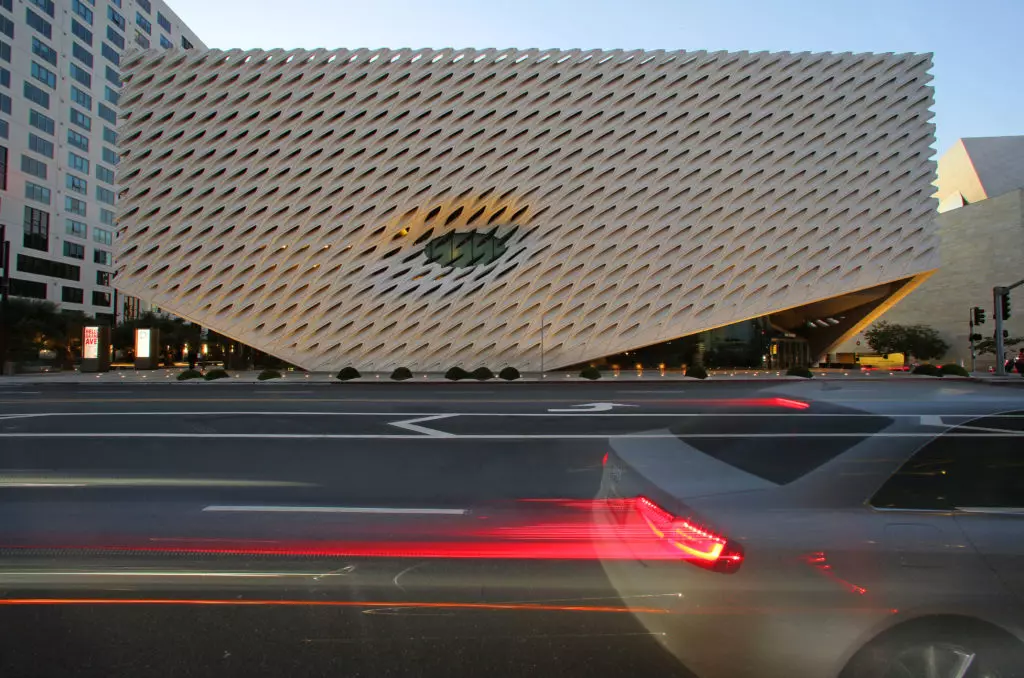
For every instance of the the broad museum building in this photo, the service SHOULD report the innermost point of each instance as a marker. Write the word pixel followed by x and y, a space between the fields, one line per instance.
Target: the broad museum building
pixel 432 208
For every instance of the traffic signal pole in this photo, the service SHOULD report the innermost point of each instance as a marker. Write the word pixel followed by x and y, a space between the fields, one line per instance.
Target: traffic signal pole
pixel 970 334
pixel 1000 300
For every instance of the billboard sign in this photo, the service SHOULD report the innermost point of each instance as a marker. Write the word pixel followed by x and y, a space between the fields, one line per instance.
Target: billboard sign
pixel 90 343
pixel 142 343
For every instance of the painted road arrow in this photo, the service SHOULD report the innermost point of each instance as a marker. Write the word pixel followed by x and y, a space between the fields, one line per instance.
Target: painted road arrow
pixel 592 407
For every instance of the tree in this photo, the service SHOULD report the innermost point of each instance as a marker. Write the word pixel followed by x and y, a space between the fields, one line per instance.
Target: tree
pixel 920 341
pixel 33 326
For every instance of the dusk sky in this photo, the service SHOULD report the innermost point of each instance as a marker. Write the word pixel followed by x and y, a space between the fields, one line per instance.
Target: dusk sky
pixel 979 66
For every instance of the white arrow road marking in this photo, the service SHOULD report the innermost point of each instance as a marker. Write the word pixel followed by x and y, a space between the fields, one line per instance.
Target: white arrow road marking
pixel 592 407
pixel 411 425
pixel 932 420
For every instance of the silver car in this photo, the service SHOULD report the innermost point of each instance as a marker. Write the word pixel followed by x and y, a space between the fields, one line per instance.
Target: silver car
pixel 863 545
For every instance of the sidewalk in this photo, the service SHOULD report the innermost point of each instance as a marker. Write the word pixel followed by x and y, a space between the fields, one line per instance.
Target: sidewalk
pixel 169 376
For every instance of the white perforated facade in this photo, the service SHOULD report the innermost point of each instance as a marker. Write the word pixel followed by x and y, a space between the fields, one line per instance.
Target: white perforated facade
pixel 302 201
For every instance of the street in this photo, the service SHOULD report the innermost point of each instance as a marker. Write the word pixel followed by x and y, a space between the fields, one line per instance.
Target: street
pixel 207 529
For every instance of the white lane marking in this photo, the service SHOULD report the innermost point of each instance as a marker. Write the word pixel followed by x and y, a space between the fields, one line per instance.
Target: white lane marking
pixel 932 420
pixel 72 481
pixel 512 436
pixel 592 407
pixel 374 510
pixel 411 425
pixel 20 392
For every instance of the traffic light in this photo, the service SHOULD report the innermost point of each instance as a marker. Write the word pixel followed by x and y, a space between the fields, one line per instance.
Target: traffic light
pixel 975 337
pixel 1006 333
pixel 1004 300
pixel 978 315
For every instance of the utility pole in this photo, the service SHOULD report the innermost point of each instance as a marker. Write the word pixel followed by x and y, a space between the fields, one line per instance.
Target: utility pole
pixel 1001 300
pixel 543 321
pixel 5 289
pixel 970 334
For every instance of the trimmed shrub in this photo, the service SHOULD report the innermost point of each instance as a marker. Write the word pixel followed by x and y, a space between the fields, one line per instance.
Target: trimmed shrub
pixel 269 374
pixel 214 374
pixel 590 373
pixel 696 371
pixel 456 373
pixel 927 370
pixel 190 374
pixel 954 371
pixel 401 374
pixel 482 374
pixel 509 373
pixel 348 372
pixel 799 371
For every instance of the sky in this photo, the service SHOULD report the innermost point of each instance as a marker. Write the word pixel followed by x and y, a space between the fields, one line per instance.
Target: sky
pixel 978 60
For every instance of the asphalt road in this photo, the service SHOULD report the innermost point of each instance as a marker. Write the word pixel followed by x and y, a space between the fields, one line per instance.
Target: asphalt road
pixel 314 530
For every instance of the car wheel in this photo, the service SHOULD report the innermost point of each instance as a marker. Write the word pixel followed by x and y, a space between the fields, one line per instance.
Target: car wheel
pixel 931 653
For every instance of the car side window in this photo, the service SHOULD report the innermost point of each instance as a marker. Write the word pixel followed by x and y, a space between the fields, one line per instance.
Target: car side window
pixel 958 472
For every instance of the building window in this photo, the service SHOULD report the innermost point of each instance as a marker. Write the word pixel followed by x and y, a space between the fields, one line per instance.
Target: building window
pixel 81 32
pixel 72 295
pixel 103 278
pixel 102 257
pixel 78 163
pixel 106 112
pixel 107 217
pixel 43 123
pixel 37 229
pixel 77 184
pixel 163 21
pixel 77 140
pixel 6 27
pixel 5 52
pixel 80 119
pixel 36 95
pixel 165 43
pixel 82 54
pixel 115 37
pixel 113 77
pixel 103 236
pixel 185 44
pixel 28 288
pixel 3 170
pixel 100 298
pixel 144 4
pixel 110 54
pixel 105 175
pixel 116 18
pixel 75 228
pixel 109 135
pixel 141 40
pixel 143 23
pixel 81 10
pixel 80 74
pixel 44 51
pixel 4 129
pixel 81 98
pixel 75 206
pixel 36 168
pixel 7 4
pixel 105 195
pixel 44 75
pixel 115 2
pixel 40 145
pixel 45 5
pixel 74 250
pixel 109 156
pixel 5 104
pixel 113 96
pixel 47 268
pixel 5 78
pixel 37 22
pixel 37 193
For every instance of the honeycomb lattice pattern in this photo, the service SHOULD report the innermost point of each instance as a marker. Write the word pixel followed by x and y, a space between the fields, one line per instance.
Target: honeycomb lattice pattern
pixel 286 199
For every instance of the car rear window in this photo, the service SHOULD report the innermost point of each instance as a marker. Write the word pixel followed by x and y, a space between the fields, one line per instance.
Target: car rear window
pixel 776 455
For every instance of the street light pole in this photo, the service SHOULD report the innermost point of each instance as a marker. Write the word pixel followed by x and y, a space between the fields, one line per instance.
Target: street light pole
pixel 997 296
pixel 970 334
pixel 5 288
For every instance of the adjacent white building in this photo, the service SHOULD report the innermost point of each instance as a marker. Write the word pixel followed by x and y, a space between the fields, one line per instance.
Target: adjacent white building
pixel 60 90
pixel 429 208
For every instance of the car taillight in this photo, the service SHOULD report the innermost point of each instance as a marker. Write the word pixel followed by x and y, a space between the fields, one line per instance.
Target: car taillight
pixel 693 541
